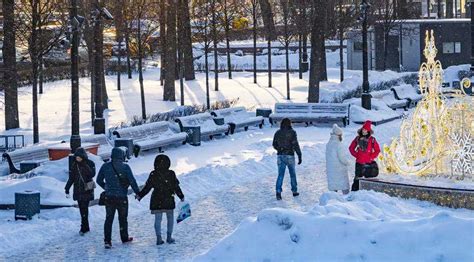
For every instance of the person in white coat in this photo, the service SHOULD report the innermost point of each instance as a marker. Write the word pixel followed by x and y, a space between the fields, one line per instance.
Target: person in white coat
pixel 337 162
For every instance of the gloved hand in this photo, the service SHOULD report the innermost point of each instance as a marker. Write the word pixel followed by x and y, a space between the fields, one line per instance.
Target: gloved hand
pixel 182 199
pixel 300 160
pixel 67 195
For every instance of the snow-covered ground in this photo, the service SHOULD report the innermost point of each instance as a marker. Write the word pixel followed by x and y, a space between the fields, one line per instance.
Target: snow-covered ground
pixel 364 226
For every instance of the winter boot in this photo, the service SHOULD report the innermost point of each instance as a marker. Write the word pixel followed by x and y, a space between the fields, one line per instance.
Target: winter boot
pixel 295 194
pixel 130 239
pixel 170 240
pixel 108 245
pixel 159 241
pixel 278 195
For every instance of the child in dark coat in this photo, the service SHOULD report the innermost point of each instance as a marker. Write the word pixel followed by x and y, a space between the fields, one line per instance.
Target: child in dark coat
pixel 165 185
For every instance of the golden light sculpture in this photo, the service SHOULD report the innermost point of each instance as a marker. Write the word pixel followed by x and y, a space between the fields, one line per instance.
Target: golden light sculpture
pixel 437 138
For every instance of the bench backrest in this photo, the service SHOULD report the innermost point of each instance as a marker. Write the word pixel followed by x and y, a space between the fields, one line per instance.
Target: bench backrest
pixel 204 120
pixel 29 153
pixel 330 109
pixel 405 90
pixel 143 131
pixel 100 139
pixel 233 113
pixel 292 108
pixel 312 108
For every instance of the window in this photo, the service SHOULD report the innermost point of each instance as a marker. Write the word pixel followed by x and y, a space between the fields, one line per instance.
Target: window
pixel 451 47
pixel 357 46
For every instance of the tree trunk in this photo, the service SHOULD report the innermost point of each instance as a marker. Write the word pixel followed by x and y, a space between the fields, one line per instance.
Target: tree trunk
pixel 255 21
pixel 140 68
pixel 119 65
pixel 317 39
pixel 34 66
pixel 127 48
pixel 162 39
pixel 215 41
pixel 170 66
pixel 269 46
pixel 187 44
pixel 267 17
pixel 227 39
pixel 322 43
pixel 287 58
pixel 206 64
pixel 385 48
pixel 341 42
pixel 92 75
pixel 9 66
pixel 300 56
pixel 41 74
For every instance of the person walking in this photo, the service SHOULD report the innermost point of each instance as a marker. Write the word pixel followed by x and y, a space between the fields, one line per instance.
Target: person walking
pixel 115 177
pixel 365 149
pixel 82 172
pixel 165 185
pixel 285 142
pixel 337 162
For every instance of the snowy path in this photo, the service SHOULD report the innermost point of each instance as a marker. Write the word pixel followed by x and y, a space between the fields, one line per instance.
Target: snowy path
pixel 236 181
pixel 214 216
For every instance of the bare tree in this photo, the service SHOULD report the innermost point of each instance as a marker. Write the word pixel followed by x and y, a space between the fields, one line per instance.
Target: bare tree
pixel 317 62
pixel 286 38
pixel 9 66
pixel 188 59
pixel 35 16
pixel 170 62
pixel 268 20
pixel 215 39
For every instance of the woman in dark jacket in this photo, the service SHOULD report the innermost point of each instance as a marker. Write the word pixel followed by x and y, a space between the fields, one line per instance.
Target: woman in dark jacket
pixel 165 185
pixel 82 172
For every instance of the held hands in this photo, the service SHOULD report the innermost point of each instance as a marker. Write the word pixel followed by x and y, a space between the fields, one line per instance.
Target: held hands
pixel 67 195
pixel 300 160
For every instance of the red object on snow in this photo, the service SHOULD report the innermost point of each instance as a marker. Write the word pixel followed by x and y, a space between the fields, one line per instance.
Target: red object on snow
pixel 365 156
pixel 367 125
pixel 63 150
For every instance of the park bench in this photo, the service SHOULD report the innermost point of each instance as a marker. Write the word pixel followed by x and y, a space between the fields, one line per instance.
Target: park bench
pixel 238 117
pixel 105 148
pixel 311 112
pixel 389 99
pixel 206 122
pixel 407 92
pixel 33 154
pixel 151 136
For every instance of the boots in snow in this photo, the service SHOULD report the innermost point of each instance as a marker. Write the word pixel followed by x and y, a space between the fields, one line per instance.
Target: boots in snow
pixel 108 245
pixel 130 239
pixel 278 195
pixel 295 194
pixel 159 241
pixel 170 240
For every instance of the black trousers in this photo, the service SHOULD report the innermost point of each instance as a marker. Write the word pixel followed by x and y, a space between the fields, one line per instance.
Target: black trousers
pixel 84 211
pixel 121 206
pixel 358 174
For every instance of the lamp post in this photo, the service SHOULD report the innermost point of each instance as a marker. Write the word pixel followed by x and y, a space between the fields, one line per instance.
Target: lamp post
pixel 366 102
pixel 75 21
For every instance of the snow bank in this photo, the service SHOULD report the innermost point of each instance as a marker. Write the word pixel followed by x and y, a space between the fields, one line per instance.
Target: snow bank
pixel 365 226
pixel 49 179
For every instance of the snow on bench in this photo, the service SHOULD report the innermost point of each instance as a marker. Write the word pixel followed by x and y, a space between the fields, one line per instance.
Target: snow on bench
pixel 151 136
pixel 105 148
pixel 407 92
pixel 388 97
pixel 206 122
pixel 37 153
pixel 309 112
pixel 238 117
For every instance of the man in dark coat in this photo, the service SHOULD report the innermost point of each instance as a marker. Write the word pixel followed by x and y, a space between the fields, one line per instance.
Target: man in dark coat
pixel 165 185
pixel 115 177
pixel 286 144
pixel 82 172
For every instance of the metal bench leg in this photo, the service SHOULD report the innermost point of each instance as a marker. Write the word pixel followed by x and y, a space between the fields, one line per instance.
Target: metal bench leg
pixel 246 128
pixel 260 125
pixel 160 150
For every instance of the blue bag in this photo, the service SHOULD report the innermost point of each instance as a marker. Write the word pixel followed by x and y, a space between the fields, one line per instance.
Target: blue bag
pixel 184 211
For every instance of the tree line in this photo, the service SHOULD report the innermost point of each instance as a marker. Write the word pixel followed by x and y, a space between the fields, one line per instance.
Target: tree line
pixel 42 25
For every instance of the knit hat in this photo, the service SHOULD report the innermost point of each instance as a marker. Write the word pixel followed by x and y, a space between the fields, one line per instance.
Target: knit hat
pixel 336 130
pixel 162 162
pixel 367 126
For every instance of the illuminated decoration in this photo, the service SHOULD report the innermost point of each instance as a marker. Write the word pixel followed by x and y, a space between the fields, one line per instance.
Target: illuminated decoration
pixel 438 138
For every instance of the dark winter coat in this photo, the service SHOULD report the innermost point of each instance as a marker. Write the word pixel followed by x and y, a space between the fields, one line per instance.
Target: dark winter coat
pixel 165 185
pixel 286 143
pixel 109 172
pixel 84 169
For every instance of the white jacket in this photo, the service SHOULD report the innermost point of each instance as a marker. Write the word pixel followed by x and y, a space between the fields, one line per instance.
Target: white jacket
pixel 336 165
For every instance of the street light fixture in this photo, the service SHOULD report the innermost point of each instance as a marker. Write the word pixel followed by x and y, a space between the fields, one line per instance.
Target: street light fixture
pixel 366 102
